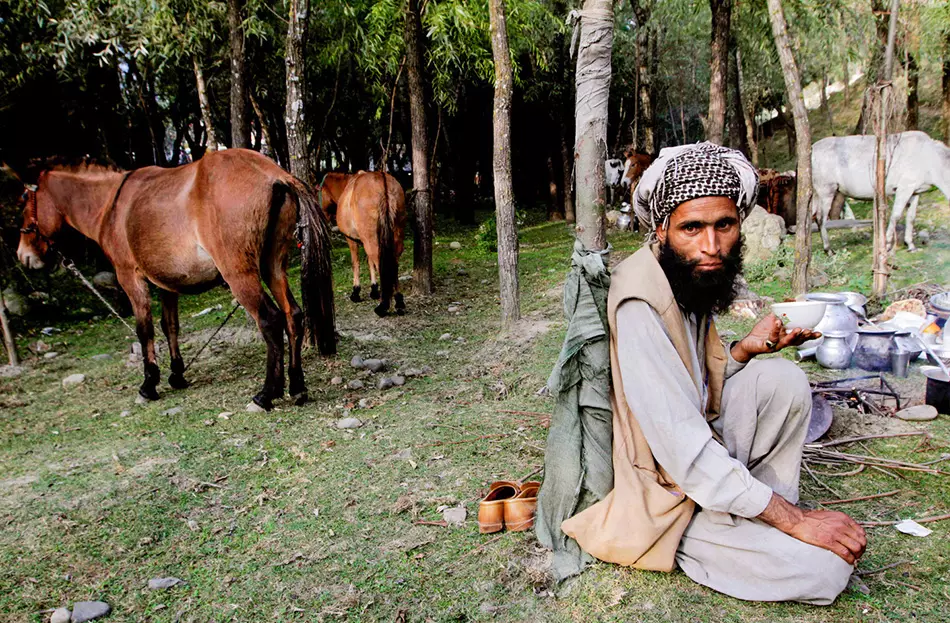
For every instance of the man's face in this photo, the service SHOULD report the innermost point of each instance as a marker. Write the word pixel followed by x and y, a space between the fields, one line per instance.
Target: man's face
pixel 701 254
pixel 702 231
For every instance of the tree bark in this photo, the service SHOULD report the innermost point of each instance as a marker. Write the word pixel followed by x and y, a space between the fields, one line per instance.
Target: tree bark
pixel 718 64
pixel 269 148
pixel 8 342
pixel 737 131
pixel 825 107
pixel 567 170
pixel 880 268
pixel 298 18
pixel 205 105
pixel 590 134
pixel 913 80
pixel 748 117
pixel 875 68
pixel 645 110
pixel 240 121
pixel 501 167
pixel 945 90
pixel 793 86
pixel 422 243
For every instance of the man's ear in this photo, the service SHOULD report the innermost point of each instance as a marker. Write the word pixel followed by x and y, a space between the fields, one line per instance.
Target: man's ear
pixel 661 234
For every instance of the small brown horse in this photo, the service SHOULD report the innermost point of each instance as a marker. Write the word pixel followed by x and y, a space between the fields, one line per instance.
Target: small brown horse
pixel 370 209
pixel 230 216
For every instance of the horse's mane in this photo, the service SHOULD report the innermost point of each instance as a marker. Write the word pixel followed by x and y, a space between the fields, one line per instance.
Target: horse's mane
pixel 83 164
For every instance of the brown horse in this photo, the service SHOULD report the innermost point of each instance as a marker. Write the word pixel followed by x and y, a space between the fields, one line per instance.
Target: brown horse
pixel 370 209
pixel 230 216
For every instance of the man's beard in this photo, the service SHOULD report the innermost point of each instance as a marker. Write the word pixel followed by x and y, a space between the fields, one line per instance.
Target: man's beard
pixel 702 292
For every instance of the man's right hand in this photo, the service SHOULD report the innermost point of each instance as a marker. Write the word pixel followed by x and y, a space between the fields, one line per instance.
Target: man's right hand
pixel 831 530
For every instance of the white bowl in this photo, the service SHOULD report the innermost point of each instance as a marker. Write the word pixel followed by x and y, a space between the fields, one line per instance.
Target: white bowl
pixel 800 314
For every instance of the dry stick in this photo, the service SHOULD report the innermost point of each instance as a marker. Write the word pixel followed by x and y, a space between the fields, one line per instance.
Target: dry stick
pixel 891 523
pixel 853 472
pixel 479 548
pixel 537 471
pixel 886 567
pixel 835 442
pixel 523 412
pixel 887 473
pixel 816 479
pixel 860 499
pixel 452 443
pixel 441 524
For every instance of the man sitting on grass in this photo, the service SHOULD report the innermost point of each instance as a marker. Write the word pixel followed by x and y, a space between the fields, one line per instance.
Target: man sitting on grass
pixel 707 446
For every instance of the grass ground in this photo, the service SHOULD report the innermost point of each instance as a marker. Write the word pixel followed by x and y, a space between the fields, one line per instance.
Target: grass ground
pixel 283 517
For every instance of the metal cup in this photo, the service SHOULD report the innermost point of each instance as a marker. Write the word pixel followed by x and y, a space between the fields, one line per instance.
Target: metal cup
pixel 900 360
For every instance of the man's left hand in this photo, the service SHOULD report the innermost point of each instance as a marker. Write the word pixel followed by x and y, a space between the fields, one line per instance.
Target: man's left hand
pixel 769 336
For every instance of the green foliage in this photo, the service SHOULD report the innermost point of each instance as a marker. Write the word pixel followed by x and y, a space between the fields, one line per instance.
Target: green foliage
pixel 486 237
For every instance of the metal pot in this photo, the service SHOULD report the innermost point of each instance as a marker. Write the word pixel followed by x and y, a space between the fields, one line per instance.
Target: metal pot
pixel 938 389
pixel 834 351
pixel 838 317
pixel 873 350
pixel 855 301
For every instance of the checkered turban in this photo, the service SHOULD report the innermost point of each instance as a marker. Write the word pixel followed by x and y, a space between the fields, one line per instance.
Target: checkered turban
pixel 688 172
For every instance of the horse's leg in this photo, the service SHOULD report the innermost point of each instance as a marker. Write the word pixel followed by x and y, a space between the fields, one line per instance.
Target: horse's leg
pixel 372 258
pixel 170 329
pixel 247 289
pixel 911 217
pixel 277 282
pixel 900 201
pixel 355 260
pixel 400 301
pixel 137 290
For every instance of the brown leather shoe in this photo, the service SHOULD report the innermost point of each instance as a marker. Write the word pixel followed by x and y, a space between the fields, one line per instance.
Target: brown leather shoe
pixel 519 511
pixel 491 510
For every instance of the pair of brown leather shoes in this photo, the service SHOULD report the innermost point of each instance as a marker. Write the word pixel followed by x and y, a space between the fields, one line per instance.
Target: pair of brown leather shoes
pixel 508 505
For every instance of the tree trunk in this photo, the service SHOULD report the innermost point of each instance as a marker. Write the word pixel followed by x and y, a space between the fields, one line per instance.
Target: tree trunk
pixel 793 87
pixel 718 64
pixel 298 17
pixel 590 134
pixel 748 115
pixel 825 107
pixel 645 109
pixel 501 167
pixel 240 121
pixel 422 243
pixel 567 170
pixel 875 66
pixel 737 131
pixel 268 148
pixel 8 342
pixel 205 105
pixel 913 80
pixel 880 268
pixel 945 90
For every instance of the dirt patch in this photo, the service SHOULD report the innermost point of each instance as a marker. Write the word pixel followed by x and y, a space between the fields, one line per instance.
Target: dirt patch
pixel 852 423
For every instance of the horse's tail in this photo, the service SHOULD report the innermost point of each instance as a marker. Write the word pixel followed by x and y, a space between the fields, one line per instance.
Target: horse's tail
pixel 386 240
pixel 316 274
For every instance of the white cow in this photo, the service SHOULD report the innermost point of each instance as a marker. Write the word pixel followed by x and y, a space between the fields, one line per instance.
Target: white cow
pixel 613 176
pixel 846 164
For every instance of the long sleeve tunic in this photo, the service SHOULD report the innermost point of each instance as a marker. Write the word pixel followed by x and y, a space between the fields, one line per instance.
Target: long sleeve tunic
pixel 670 412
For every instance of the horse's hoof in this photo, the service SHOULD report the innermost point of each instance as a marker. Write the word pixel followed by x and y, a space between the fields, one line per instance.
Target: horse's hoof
pixel 400 302
pixel 262 403
pixel 177 381
pixel 400 311
pixel 374 292
pixel 300 398
pixel 355 295
pixel 146 394
pixel 381 311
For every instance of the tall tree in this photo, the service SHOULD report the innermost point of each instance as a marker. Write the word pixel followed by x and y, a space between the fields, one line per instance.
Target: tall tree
pixel 875 66
pixel 646 114
pixel 945 92
pixel 793 86
pixel 590 138
pixel 298 18
pixel 718 67
pixel 737 131
pixel 913 99
pixel 240 120
pixel 880 267
pixel 205 105
pixel 501 167
pixel 422 200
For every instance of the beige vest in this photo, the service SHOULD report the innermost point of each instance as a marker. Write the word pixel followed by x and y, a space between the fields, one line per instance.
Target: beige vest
pixel 640 523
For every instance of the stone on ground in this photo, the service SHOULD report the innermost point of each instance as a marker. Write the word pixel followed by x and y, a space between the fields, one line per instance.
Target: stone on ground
pixel 253 407
pixel 920 413
pixel 172 411
pixel 101 357
pixel 355 384
pixel 398 380
pixel 762 234
pixel 384 382
pixel 74 379
pixel 50 355
pixel 156 584
pixel 348 423
pixel 455 246
pixel 612 216
pixel 455 515
pixel 445 337
pixel 60 615
pixel 105 279
pixel 374 365
pixel 356 362
pixel 89 610
pixel 337 380
pixel 16 303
